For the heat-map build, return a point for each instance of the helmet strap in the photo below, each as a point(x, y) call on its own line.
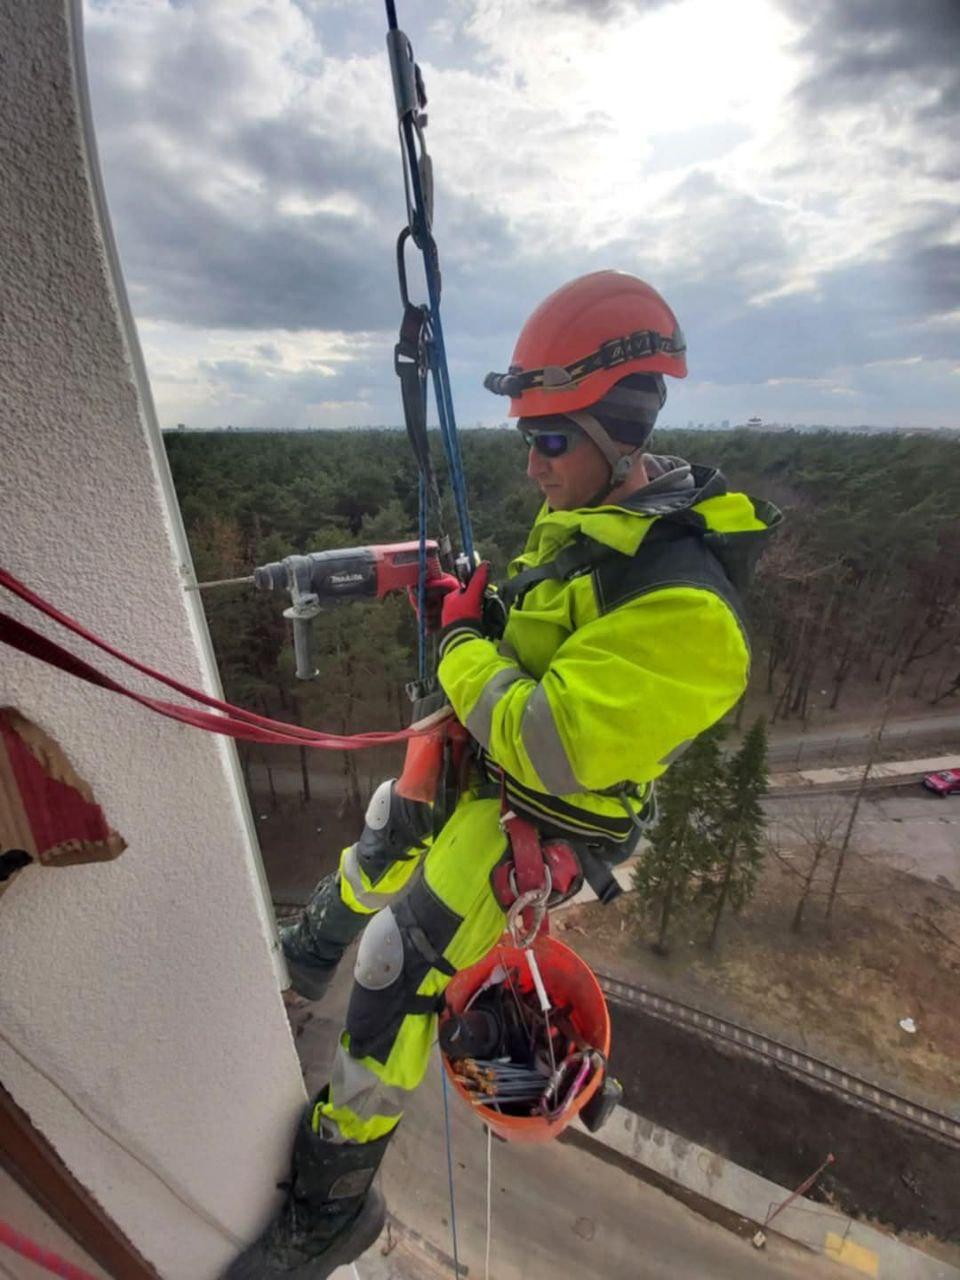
point(620, 463)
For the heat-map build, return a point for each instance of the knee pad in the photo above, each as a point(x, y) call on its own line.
point(382, 982)
point(380, 954)
point(378, 810)
point(392, 824)
point(398, 949)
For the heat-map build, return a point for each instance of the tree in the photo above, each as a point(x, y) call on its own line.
point(816, 825)
point(863, 581)
point(858, 798)
point(684, 843)
point(743, 824)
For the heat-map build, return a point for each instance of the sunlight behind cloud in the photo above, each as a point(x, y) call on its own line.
point(569, 112)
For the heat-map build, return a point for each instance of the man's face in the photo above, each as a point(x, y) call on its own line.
point(573, 478)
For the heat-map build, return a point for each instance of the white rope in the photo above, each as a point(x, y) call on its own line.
point(486, 1264)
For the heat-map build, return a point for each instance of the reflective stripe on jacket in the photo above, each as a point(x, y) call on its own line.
point(601, 680)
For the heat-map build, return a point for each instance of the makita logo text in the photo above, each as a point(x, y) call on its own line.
point(345, 579)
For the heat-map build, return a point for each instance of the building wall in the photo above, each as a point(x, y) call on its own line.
point(141, 1024)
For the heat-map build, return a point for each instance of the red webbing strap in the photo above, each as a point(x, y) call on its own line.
point(43, 1257)
point(197, 695)
point(235, 722)
point(530, 870)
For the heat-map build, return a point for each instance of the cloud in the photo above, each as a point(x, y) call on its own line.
point(606, 10)
point(781, 180)
point(862, 51)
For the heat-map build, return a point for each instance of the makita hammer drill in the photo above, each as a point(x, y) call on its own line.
point(333, 577)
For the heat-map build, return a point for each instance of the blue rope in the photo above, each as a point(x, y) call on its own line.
point(422, 234)
point(448, 427)
point(453, 1207)
point(422, 581)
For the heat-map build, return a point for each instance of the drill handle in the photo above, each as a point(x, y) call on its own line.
point(301, 616)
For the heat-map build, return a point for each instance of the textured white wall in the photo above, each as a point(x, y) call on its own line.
point(141, 1025)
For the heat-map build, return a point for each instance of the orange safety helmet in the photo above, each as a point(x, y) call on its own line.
point(584, 338)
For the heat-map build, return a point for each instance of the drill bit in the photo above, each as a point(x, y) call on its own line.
point(218, 582)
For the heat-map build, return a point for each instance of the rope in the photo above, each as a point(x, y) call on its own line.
point(232, 721)
point(486, 1256)
point(422, 579)
point(42, 1256)
point(418, 186)
point(453, 1205)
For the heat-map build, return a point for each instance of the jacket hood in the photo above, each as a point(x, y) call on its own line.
point(734, 526)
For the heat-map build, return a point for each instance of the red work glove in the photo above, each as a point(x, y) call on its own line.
point(437, 589)
point(462, 612)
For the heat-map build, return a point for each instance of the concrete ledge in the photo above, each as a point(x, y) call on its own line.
point(818, 1227)
point(891, 773)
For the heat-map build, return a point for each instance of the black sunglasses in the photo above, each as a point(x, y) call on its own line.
point(553, 443)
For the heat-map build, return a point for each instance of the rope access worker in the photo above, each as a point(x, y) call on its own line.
point(624, 640)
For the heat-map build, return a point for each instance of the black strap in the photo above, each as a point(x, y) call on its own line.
point(586, 553)
point(581, 554)
point(426, 948)
point(410, 368)
point(598, 876)
point(424, 1004)
point(617, 351)
point(411, 361)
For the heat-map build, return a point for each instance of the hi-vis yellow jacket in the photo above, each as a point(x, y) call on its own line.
point(602, 677)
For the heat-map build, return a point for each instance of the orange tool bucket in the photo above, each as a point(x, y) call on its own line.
point(569, 981)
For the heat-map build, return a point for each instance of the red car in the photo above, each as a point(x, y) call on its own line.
point(945, 783)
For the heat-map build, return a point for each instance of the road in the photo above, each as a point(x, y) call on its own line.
point(558, 1213)
point(846, 743)
point(907, 828)
point(904, 827)
point(843, 744)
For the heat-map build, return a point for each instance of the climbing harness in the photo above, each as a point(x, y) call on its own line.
point(530, 878)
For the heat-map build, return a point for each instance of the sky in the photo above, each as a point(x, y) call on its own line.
point(785, 172)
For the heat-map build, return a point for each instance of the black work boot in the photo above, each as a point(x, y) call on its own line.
point(331, 1215)
point(314, 946)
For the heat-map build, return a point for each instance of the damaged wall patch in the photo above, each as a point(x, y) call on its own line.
point(48, 813)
